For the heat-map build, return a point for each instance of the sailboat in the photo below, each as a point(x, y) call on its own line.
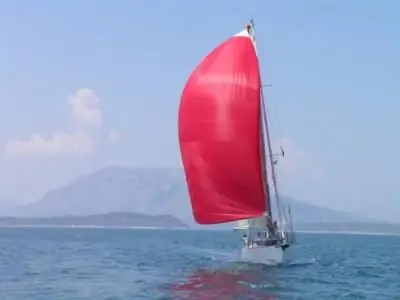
point(226, 150)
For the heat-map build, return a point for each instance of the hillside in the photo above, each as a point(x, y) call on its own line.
point(143, 190)
point(109, 220)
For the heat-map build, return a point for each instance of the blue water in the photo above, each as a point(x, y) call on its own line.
point(55, 264)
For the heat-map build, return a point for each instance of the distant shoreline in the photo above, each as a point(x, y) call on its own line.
point(92, 227)
point(108, 220)
point(347, 232)
point(181, 228)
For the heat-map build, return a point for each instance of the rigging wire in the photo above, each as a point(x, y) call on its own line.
point(276, 132)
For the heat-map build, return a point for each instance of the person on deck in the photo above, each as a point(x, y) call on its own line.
point(275, 228)
point(269, 226)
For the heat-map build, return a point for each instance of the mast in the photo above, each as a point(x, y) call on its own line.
point(271, 160)
point(287, 218)
point(264, 167)
point(251, 29)
point(269, 144)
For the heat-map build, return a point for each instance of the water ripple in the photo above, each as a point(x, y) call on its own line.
point(48, 264)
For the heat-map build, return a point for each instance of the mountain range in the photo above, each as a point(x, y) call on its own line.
point(151, 191)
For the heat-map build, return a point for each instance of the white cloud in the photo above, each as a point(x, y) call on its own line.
point(86, 118)
point(59, 143)
point(85, 107)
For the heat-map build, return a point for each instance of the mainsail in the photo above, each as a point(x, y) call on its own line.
point(220, 134)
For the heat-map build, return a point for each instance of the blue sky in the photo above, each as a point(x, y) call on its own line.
point(334, 66)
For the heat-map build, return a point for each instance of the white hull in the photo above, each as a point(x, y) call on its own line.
point(267, 255)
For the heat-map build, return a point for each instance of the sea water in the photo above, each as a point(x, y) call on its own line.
point(79, 263)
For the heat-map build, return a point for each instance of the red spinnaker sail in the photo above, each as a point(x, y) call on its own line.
point(220, 134)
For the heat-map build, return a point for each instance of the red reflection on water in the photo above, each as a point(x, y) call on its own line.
point(219, 285)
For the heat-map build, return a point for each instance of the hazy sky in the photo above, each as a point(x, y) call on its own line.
point(84, 84)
